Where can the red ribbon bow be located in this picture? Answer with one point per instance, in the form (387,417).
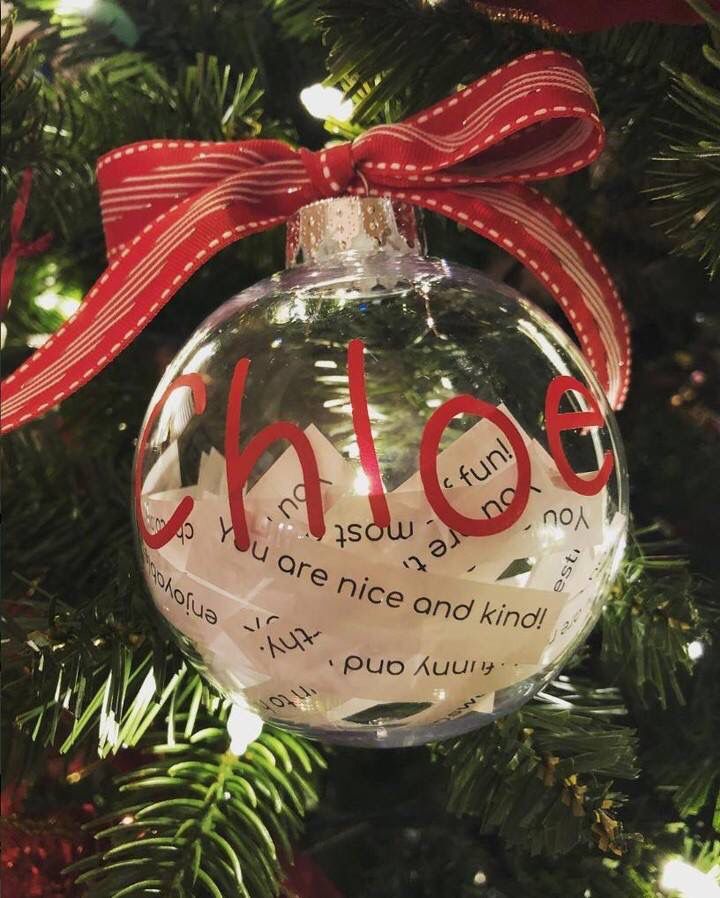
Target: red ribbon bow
(169,205)
(19,248)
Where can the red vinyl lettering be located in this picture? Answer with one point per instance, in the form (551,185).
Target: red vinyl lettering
(363,433)
(430,445)
(239,463)
(179,516)
(557,421)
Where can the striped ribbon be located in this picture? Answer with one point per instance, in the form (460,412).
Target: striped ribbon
(168,206)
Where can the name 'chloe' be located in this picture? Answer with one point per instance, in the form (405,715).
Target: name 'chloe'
(240,462)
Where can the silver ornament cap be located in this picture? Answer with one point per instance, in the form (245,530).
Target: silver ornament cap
(352,224)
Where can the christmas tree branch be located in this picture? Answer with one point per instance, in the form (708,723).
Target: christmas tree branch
(650,621)
(199,820)
(687,187)
(97,671)
(542,777)
(60,127)
(398,56)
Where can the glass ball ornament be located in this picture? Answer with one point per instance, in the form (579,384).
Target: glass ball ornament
(361,506)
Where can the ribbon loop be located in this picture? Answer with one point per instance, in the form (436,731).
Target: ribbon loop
(169,206)
(532,119)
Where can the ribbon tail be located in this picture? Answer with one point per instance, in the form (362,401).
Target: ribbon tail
(132,290)
(7,277)
(17,247)
(524,223)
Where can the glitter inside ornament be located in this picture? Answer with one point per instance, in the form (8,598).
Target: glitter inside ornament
(380,498)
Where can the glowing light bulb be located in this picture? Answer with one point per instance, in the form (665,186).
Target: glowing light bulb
(361,485)
(695,650)
(74,7)
(679,876)
(326,102)
(54,302)
(35,341)
(243,726)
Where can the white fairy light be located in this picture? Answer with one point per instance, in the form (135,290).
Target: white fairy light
(243,726)
(679,876)
(74,7)
(361,484)
(51,301)
(326,102)
(695,650)
(35,341)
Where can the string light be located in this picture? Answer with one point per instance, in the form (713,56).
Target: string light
(243,726)
(695,650)
(105,12)
(74,7)
(688,881)
(326,102)
(55,302)
(35,341)
(361,485)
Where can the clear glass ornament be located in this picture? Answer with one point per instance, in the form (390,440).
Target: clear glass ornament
(372,633)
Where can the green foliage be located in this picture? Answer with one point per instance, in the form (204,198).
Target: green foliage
(542,777)
(34,133)
(649,623)
(206,99)
(636,876)
(657,611)
(90,669)
(200,822)
(23,112)
(391,55)
(59,129)
(400,55)
(297,18)
(98,670)
(683,760)
(688,181)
